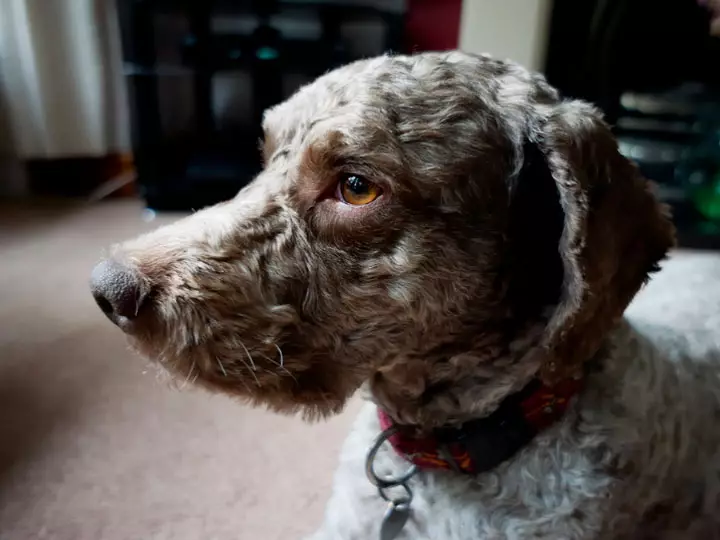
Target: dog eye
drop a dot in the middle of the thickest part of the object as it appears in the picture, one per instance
(356, 191)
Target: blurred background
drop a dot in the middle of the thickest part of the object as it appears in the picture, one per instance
(119, 115)
(163, 99)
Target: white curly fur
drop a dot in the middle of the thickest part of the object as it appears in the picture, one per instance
(642, 439)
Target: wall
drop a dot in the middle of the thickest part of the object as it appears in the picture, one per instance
(515, 29)
(62, 78)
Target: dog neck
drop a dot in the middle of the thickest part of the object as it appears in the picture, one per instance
(469, 419)
(482, 444)
(449, 390)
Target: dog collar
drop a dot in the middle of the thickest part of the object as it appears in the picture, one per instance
(481, 445)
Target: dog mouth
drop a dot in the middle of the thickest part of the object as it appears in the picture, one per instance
(255, 364)
(232, 365)
(254, 374)
(237, 351)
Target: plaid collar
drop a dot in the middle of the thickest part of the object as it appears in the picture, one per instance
(480, 445)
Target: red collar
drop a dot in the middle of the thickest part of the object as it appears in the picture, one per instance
(480, 445)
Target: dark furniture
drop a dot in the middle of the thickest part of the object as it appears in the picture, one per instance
(653, 68)
(201, 72)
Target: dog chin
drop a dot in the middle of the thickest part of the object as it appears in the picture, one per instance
(278, 390)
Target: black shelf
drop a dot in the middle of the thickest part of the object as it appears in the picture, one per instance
(663, 113)
(189, 151)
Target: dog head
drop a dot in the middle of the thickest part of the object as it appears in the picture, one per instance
(413, 212)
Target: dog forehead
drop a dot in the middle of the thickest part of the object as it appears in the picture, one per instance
(352, 87)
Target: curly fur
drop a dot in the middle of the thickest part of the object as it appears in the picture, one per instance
(510, 238)
(637, 456)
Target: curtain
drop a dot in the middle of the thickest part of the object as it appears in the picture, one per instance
(61, 78)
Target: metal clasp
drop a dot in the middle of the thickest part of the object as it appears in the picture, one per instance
(398, 511)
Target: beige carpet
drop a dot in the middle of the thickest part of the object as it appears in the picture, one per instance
(94, 448)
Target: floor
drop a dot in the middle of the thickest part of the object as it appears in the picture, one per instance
(94, 447)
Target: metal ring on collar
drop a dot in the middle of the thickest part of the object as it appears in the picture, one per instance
(370, 460)
(407, 499)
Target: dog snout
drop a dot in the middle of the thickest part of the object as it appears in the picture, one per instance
(118, 291)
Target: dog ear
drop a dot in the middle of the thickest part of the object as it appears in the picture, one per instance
(614, 233)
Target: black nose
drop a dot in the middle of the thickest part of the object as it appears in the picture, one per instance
(117, 290)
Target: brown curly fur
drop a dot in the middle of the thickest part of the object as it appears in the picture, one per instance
(510, 236)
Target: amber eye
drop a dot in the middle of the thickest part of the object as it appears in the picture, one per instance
(355, 190)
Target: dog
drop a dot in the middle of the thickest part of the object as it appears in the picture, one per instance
(446, 233)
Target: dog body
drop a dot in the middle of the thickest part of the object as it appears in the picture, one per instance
(443, 229)
(637, 456)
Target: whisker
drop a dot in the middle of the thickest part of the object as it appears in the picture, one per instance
(281, 365)
(163, 354)
(187, 377)
(252, 372)
(282, 357)
(251, 366)
(245, 385)
(222, 368)
(248, 354)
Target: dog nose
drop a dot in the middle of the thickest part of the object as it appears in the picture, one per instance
(117, 290)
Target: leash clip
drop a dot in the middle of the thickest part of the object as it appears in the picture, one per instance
(398, 510)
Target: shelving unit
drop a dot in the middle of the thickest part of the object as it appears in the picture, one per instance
(189, 152)
(652, 68)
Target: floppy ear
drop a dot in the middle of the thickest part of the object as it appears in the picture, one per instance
(614, 233)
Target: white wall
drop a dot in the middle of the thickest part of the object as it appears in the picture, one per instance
(515, 29)
(62, 77)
